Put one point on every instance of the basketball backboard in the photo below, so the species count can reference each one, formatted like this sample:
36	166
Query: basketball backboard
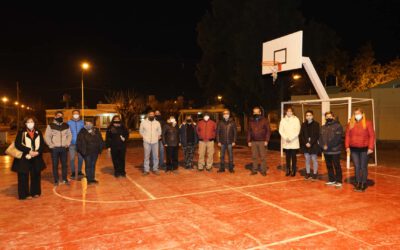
282	54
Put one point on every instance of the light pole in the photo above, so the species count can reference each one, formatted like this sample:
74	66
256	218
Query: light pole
84	66
5	100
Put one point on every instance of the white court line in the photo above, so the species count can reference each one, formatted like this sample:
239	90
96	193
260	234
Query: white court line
254	238
394	176
354	238
141	188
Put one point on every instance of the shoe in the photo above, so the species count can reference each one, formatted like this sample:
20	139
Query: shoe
338	185
314	177
293	173
307	176
36	196
175	171
221	170
56	183
209	169
145	173
28	197
80	174
72	175
156	172
65	182
117	175
330	183
231	171
253	173
363	187
357	187
263	173
287	171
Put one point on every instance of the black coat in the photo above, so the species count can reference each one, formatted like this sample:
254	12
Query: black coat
309	133
21	141
183	134
226	131
332	136
170	135
89	143
113	137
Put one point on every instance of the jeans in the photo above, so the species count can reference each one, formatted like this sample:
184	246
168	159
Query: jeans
72	153
310	157
23	184
118	160
291	160
90	166
153	150
360	160
224	148
334	168
161	153
59	154
172	158
258	152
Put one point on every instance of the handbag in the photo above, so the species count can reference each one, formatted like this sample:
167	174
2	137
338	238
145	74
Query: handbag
13	151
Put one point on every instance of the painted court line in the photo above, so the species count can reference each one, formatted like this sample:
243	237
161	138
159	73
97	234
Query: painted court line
394	176
254	238
141	188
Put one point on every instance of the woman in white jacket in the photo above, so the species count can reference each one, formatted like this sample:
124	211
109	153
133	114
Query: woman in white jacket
289	129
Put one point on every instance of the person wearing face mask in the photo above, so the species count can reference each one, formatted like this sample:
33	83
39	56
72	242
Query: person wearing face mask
170	139
258	136
309	135
116	138
188	139
31	143
90	144
161	150
226	139
360	142
330	140
150	130
58	137
289	129
75	125
206	131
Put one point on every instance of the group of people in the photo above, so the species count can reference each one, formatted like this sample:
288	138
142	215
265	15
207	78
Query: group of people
312	139
84	141
80	138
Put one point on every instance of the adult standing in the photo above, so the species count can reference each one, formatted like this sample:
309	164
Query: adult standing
188	139
116	137
206	131
75	125
309	135
226	139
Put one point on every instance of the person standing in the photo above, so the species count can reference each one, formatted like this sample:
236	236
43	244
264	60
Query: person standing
116	137
75	125
58	137
309	135
170	139
206	131
188	138
226	139
258	136
331	142
90	144
289	129
150	130
31	143
360	142
161	151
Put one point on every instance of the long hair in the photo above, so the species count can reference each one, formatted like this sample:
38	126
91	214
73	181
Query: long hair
353	120
112	120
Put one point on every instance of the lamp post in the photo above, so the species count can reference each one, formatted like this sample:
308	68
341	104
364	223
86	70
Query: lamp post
5	100
84	66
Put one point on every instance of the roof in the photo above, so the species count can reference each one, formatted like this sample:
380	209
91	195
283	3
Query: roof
389	85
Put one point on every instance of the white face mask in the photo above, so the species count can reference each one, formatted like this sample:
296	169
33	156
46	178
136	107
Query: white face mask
226	117
75	116
173	121
289	114
206	118
309	119
358	117
30	125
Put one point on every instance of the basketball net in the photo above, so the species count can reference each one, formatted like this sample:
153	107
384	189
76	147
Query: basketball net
274	67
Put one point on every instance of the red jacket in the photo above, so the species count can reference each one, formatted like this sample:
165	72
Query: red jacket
206	130
258	130
360	137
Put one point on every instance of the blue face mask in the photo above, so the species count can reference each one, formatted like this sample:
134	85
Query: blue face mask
89	126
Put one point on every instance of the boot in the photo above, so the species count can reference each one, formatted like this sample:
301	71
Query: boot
221	168
231	167
294	171
363	187
287	171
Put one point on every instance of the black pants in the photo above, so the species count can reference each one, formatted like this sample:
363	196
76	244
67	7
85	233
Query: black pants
360	160
59	154
291	160
172	158
23	184
334	168
118	160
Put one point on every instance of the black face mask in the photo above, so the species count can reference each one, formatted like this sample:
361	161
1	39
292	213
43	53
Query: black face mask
256	116
59	119
329	120
188	120
151	118
158	117
117	122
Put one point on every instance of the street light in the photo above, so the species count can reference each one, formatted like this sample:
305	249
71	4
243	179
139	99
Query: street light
22	106
219	97
84	66
16	103
296	77
5	100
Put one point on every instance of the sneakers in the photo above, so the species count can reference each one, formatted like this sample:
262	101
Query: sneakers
93	182
264	173
145	173
330	183
80	174
56	183
314	177
73	175
156	172
307	176
253	173
231	171
209	169
221	170
65	182
338	185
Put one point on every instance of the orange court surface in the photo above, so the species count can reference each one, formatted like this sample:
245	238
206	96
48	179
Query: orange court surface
202	210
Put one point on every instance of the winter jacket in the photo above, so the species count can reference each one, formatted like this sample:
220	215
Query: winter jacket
226	131
309	133
206	130
331	135
113	137
289	128
183	129
170	136
150	131
259	130
58	135
24	143
75	126
162	124
359	137
89	143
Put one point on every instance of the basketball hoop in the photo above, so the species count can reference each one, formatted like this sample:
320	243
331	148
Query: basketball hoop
274	67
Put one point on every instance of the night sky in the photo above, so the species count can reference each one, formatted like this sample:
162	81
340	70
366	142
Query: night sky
149	47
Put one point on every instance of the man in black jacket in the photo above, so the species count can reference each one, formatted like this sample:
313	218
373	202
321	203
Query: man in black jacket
331	142
309	135
161	150
170	139
188	139
116	138
226	139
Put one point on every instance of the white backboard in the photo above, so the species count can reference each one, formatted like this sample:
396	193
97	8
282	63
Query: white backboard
287	50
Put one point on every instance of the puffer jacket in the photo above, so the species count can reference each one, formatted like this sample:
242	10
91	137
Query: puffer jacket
226	131
150	131
360	137
58	135
89	143
170	136
331	135
183	131
75	126
259	130
289	128
309	134
206	130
